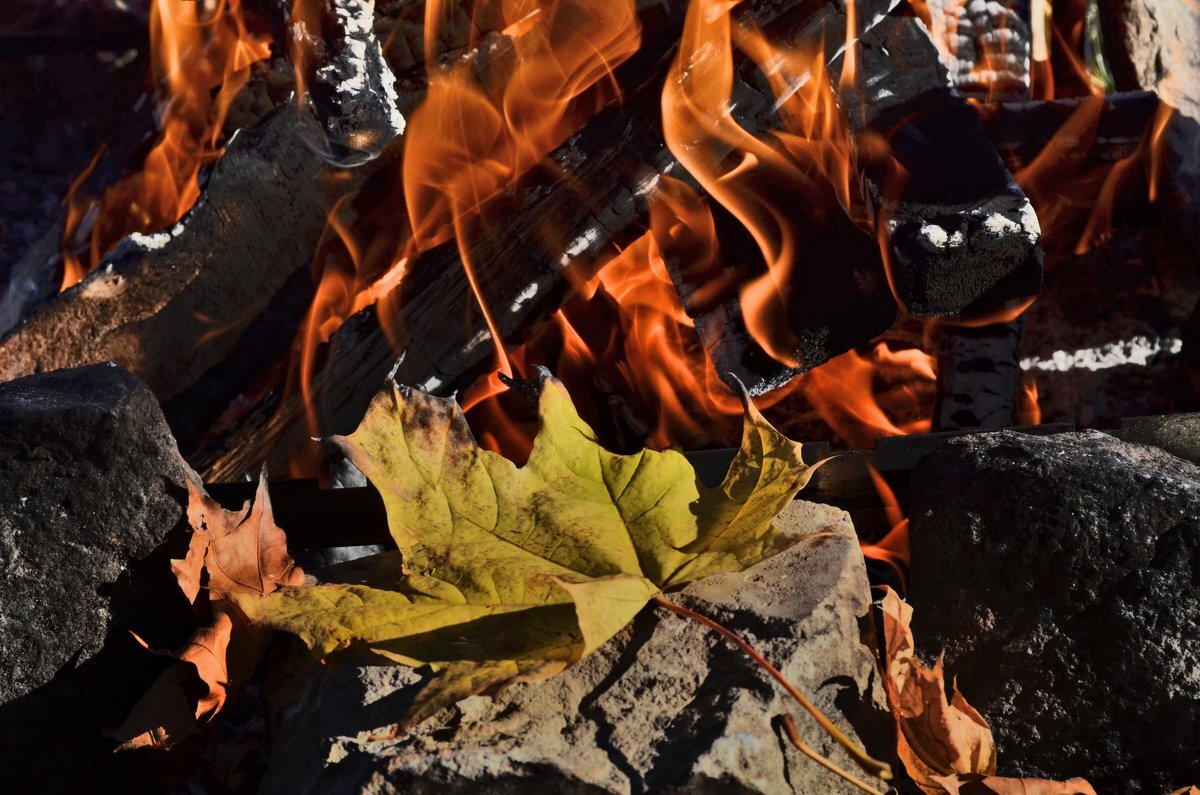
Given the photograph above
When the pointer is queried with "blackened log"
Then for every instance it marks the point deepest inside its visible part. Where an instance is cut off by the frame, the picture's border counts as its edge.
(979, 377)
(36, 276)
(166, 306)
(985, 46)
(315, 518)
(184, 307)
(432, 315)
(978, 382)
(546, 224)
(962, 237)
(352, 87)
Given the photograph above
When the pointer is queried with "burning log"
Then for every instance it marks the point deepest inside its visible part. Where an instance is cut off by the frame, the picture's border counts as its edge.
(978, 373)
(979, 377)
(613, 167)
(986, 46)
(183, 307)
(352, 88)
(962, 237)
(1021, 130)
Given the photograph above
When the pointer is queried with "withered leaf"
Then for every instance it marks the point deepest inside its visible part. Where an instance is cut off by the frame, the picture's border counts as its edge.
(517, 572)
(946, 745)
(975, 784)
(229, 552)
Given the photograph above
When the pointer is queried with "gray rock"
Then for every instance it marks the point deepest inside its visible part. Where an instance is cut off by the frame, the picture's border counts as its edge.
(1159, 38)
(91, 483)
(1061, 576)
(668, 706)
(1160, 54)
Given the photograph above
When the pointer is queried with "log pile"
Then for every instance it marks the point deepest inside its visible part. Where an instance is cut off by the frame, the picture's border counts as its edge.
(202, 310)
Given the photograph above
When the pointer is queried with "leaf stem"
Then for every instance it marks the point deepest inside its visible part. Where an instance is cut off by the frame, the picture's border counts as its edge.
(868, 763)
(789, 726)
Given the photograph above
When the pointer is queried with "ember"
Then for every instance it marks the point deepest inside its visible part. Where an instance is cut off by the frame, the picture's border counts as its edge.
(584, 244)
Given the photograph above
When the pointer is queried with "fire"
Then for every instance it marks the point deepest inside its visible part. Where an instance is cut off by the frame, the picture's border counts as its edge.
(626, 333)
(893, 548)
(1074, 198)
(761, 181)
(469, 140)
(474, 135)
(201, 55)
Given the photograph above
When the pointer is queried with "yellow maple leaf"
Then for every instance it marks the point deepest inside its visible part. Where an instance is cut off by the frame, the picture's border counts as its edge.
(517, 572)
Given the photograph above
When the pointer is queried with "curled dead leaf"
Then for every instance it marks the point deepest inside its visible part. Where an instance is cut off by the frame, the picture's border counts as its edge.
(975, 784)
(945, 744)
(229, 552)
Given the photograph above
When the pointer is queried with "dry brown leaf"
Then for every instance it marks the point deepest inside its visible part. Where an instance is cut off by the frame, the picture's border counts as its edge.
(240, 551)
(1187, 791)
(937, 737)
(946, 745)
(163, 717)
(975, 784)
(230, 552)
(251, 557)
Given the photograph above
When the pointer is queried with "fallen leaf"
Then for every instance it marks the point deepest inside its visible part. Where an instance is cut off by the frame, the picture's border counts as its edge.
(230, 552)
(946, 745)
(975, 784)
(163, 717)
(518, 572)
(240, 551)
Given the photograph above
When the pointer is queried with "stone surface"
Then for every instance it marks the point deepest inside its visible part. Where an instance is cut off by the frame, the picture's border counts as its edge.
(1160, 54)
(91, 484)
(668, 706)
(1159, 38)
(1061, 574)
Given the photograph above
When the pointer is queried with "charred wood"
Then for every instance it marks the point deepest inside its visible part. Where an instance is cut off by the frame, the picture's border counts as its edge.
(847, 479)
(182, 307)
(979, 377)
(549, 225)
(1020, 131)
(351, 87)
(985, 45)
(962, 237)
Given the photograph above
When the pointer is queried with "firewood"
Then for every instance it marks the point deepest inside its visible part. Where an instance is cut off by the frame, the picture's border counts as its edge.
(316, 517)
(841, 297)
(979, 377)
(185, 307)
(962, 237)
(1020, 130)
(986, 46)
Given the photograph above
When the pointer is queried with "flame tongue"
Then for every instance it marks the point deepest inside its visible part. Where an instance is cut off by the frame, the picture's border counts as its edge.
(201, 57)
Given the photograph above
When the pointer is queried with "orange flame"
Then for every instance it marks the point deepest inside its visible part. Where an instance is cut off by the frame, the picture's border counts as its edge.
(760, 181)
(199, 64)
(626, 329)
(474, 135)
(469, 140)
(1029, 409)
(887, 391)
(1074, 198)
(893, 548)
